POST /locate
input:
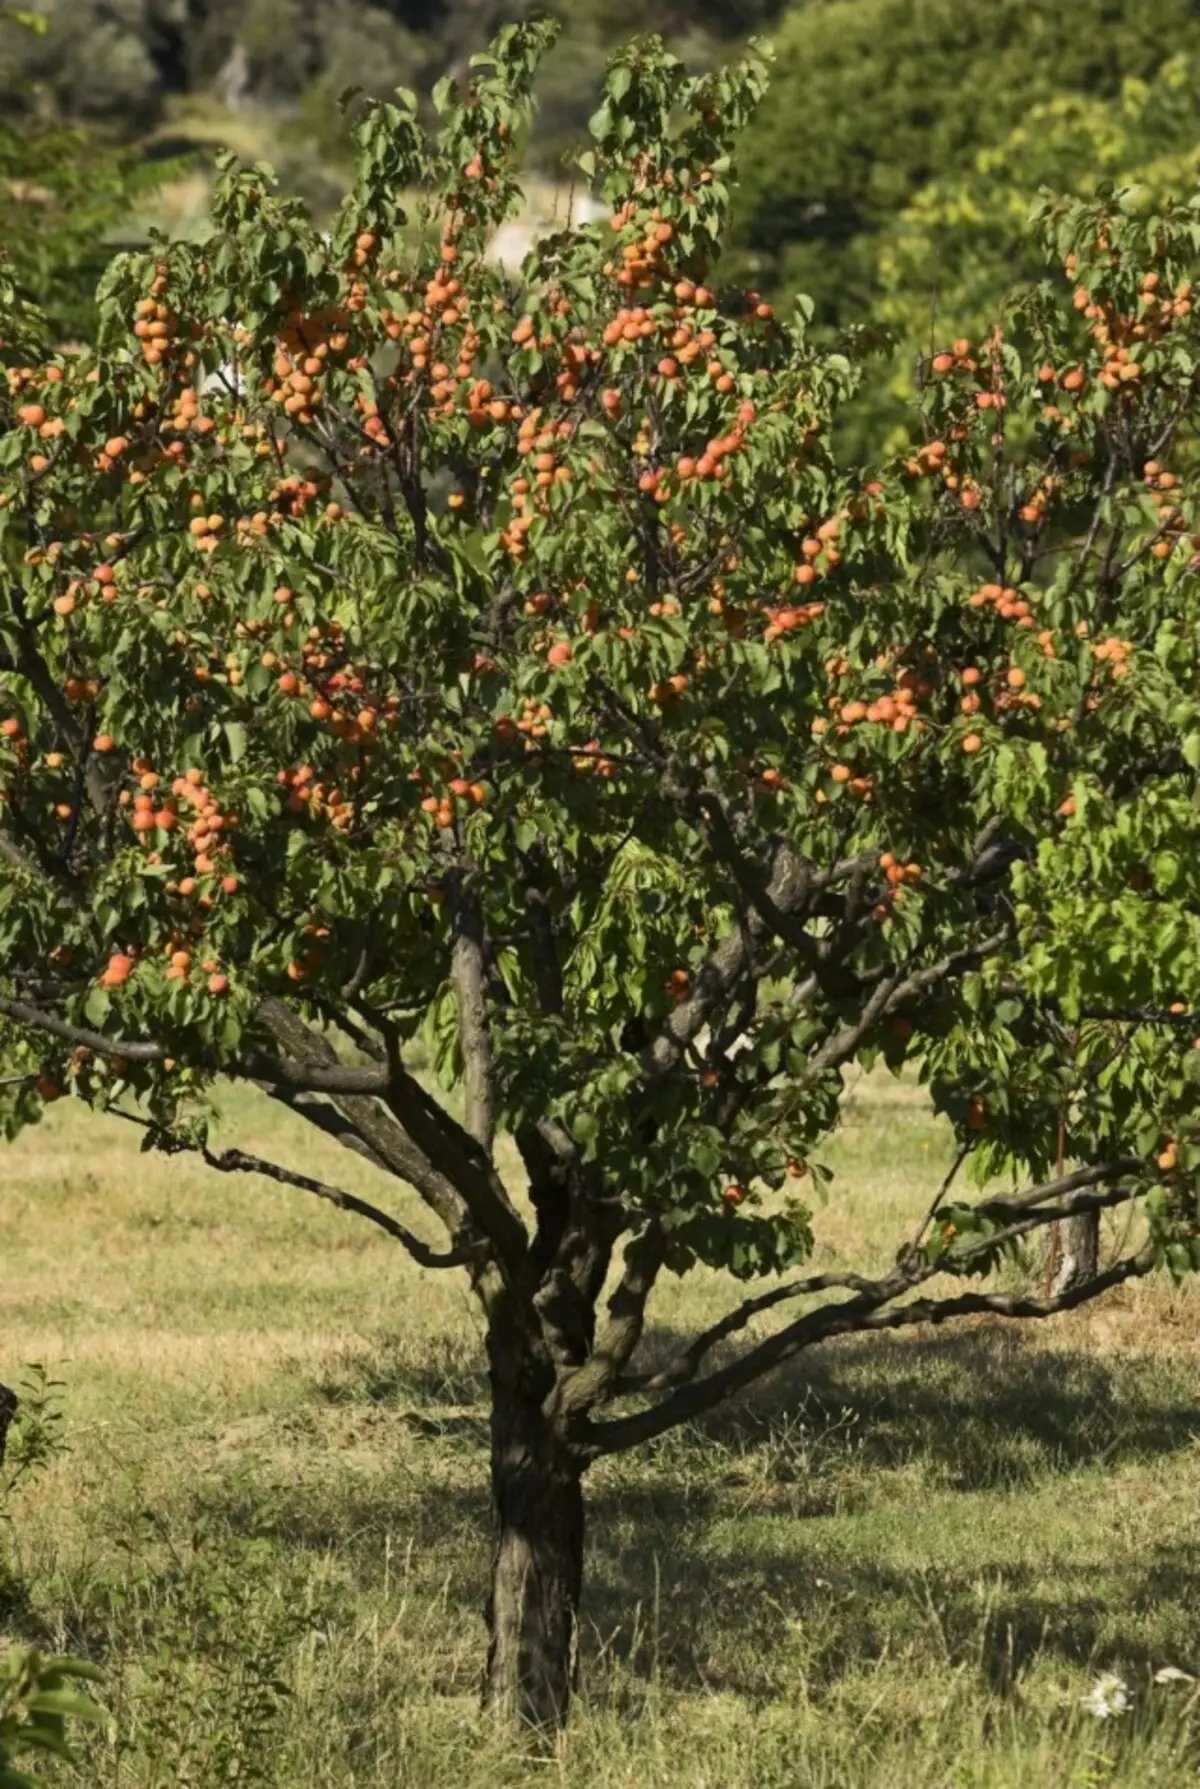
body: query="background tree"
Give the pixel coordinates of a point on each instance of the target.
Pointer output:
(963, 247)
(873, 99)
(391, 655)
(62, 195)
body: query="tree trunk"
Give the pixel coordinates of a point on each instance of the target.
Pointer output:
(8, 1409)
(1073, 1254)
(537, 1564)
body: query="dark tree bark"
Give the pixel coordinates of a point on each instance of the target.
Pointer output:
(1073, 1252)
(8, 1409)
(537, 1562)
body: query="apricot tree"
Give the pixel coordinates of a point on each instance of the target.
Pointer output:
(391, 653)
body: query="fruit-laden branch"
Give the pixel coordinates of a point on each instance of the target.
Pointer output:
(34, 668)
(38, 1019)
(719, 977)
(892, 992)
(874, 1305)
(427, 1147)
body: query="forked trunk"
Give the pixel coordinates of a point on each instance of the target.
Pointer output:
(537, 1569)
(1073, 1253)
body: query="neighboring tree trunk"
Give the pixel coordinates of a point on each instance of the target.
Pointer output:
(8, 1409)
(537, 1564)
(1073, 1252)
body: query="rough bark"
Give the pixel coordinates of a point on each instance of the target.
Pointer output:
(537, 1563)
(8, 1409)
(1073, 1252)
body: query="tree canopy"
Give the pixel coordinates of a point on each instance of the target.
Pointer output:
(393, 654)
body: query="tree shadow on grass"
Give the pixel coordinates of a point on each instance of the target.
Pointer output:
(979, 1410)
(706, 1568)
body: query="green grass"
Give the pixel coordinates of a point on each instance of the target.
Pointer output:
(899, 1566)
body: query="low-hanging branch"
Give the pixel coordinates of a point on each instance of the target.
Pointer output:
(1066, 1196)
(241, 1161)
(852, 1317)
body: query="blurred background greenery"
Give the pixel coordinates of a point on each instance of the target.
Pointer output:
(889, 174)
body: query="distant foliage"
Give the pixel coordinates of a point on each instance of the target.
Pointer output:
(872, 99)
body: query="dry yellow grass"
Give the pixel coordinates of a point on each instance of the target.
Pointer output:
(902, 1563)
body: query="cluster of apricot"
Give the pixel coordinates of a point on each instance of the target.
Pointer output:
(155, 326)
(117, 971)
(898, 874)
(949, 360)
(1114, 331)
(783, 619)
(207, 835)
(590, 759)
(896, 709)
(1114, 653)
(669, 689)
(150, 812)
(574, 353)
(713, 461)
(1007, 602)
(306, 795)
(634, 323)
(1172, 523)
(32, 414)
(181, 963)
(532, 723)
(293, 496)
(443, 809)
(643, 260)
(186, 417)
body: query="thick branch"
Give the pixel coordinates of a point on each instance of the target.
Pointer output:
(684, 1366)
(720, 976)
(467, 979)
(594, 1381)
(890, 993)
(851, 1317)
(387, 1139)
(1004, 1304)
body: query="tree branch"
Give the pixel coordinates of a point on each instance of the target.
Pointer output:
(591, 1383)
(850, 1317)
(36, 1018)
(720, 976)
(238, 1161)
(467, 979)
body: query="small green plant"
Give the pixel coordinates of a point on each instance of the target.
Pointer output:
(211, 1630)
(36, 1436)
(37, 1696)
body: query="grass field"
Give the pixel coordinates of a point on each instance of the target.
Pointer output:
(900, 1567)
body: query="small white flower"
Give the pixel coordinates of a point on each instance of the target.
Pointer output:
(1109, 1696)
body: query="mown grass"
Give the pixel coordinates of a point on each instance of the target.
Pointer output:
(903, 1562)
